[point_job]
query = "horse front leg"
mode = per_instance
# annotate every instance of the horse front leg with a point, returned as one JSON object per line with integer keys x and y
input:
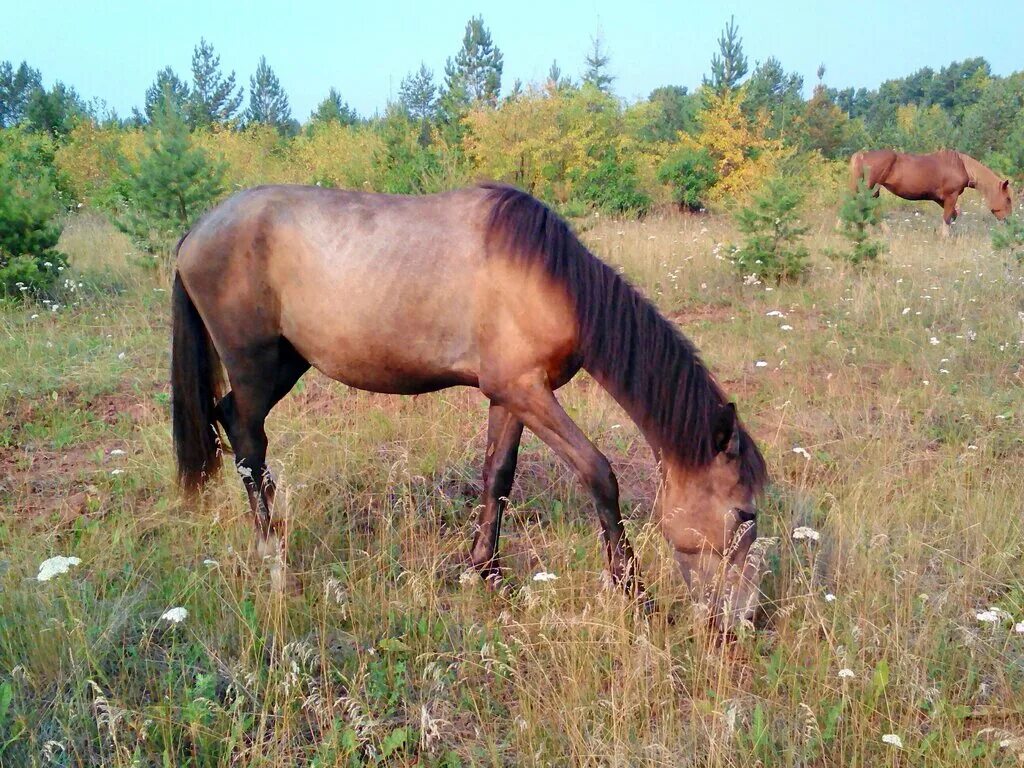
{"x": 532, "y": 401}
{"x": 503, "y": 434}
{"x": 949, "y": 214}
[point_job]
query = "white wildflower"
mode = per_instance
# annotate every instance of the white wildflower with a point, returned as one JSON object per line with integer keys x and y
{"x": 175, "y": 615}
{"x": 786, "y": 327}
{"x": 467, "y": 577}
{"x": 120, "y": 355}
{"x": 846, "y": 674}
{"x": 774, "y": 313}
{"x": 906, "y": 311}
{"x": 116, "y": 472}
{"x": 1019, "y": 627}
{"x": 892, "y": 740}
{"x": 804, "y": 532}
{"x": 802, "y": 452}
{"x": 117, "y": 452}
{"x": 991, "y": 616}
{"x": 933, "y": 341}
{"x": 55, "y": 566}
{"x": 829, "y": 597}
{"x": 209, "y": 563}
{"x": 544, "y": 576}
{"x": 761, "y": 364}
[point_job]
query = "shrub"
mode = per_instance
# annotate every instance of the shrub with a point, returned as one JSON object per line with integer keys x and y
{"x": 772, "y": 249}
{"x": 1009, "y": 237}
{"x": 857, "y": 215}
{"x": 31, "y": 211}
{"x": 690, "y": 172}
{"x": 614, "y": 187}
{"x": 170, "y": 186}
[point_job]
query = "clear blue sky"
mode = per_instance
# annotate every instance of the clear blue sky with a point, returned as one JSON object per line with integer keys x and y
{"x": 112, "y": 50}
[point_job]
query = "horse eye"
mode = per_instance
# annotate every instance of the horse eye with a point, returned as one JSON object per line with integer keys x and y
{"x": 745, "y": 516}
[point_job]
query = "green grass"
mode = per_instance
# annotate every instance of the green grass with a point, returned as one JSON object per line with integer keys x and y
{"x": 388, "y": 657}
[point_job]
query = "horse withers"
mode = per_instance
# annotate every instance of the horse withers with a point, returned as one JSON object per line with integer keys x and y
{"x": 940, "y": 177}
{"x": 482, "y": 287}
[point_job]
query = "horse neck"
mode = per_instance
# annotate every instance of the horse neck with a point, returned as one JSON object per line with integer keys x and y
{"x": 981, "y": 177}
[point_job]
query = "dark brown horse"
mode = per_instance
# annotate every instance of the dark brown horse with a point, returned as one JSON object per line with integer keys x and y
{"x": 940, "y": 177}
{"x": 482, "y": 287}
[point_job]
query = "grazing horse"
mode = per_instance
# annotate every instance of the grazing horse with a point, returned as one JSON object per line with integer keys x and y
{"x": 482, "y": 287}
{"x": 941, "y": 177}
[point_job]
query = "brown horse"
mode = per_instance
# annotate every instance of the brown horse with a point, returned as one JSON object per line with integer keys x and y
{"x": 483, "y": 287}
{"x": 940, "y": 177}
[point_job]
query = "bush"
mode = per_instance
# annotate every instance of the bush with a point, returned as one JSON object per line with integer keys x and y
{"x": 1009, "y": 237}
{"x": 31, "y": 211}
{"x": 857, "y": 215}
{"x": 614, "y": 187}
{"x": 772, "y": 249}
{"x": 170, "y": 186}
{"x": 691, "y": 174}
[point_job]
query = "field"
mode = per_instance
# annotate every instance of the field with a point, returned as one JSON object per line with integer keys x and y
{"x": 901, "y": 386}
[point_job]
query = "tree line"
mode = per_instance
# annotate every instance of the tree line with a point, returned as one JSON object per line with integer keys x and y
{"x": 567, "y": 139}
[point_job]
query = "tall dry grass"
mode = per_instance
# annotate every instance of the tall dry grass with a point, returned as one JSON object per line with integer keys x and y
{"x": 901, "y": 386}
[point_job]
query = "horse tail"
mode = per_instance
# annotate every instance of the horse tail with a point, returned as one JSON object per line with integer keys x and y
{"x": 856, "y": 170}
{"x": 196, "y": 384}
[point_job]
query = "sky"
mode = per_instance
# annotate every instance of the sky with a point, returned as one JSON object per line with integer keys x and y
{"x": 112, "y": 50}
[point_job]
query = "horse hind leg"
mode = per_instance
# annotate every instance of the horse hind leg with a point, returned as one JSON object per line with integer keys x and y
{"x": 260, "y": 376}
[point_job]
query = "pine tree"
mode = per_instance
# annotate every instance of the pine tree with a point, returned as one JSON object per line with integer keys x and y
{"x": 16, "y": 87}
{"x": 596, "y": 73}
{"x": 171, "y": 185}
{"x": 555, "y": 79}
{"x": 418, "y": 95}
{"x": 475, "y": 74}
{"x": 268, "y": 103}
{"x": 213, "y": 98}
{"x": 334, "y": 109}
{"x": 166, "y": 86}
{"x": 729, "y": 65}
{"x": 55, "y": 111}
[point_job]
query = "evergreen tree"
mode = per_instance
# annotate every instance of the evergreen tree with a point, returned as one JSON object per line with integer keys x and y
{"x": 55, "y": 111}
{"x": 268, "y": 103}
{"x": 214, "y": 98}
{"x": 824, "y": 124}
{"x": 16, "y": 87}
{"x": 596, "y": 73}
{"x": 772, "y": 91}
{"x": 170, "y": 186}
{"x": 729, "y": 65}
{"x": 418, "y": 95}
{"x": 678, "y": 112}
{"x": 334, "y": 109}
{"x": 555, "y": 79}
{"x": 475, "y": 74}
{"x": 166, "y": 86}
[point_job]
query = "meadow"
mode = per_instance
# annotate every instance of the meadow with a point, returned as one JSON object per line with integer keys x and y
{"x": 889, "y": 402}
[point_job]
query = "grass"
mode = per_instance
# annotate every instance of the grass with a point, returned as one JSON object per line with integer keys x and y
{"x": 388, "y": 657}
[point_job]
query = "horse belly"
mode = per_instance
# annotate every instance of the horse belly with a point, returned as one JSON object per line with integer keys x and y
{"x": 381, "y": 331}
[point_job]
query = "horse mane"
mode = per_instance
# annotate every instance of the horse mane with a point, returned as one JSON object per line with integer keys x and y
{"x": 981, "y": 177}
{"x": 643, "y": 360}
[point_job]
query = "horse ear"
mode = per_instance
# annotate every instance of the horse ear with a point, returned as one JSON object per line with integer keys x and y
{"x": 1006, "y": 184}
{"x": 726, "y": 432}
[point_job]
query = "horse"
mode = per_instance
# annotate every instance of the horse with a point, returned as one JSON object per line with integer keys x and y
{"x": 483, "y": 287}
{"x": 940, "y": 177}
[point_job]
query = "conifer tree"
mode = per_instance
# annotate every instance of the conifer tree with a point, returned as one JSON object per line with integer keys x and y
{"x": 170, "y": 186}
{"x": 214, "y": 98}
{"x": 729, "y": 65}
{"x": 418, "y": 94}
{"x": 268, "y": 103}
{"x": 16, "y": 87}
{"x": 475, "y": 73}
{"x": 596, "y": 73}
{"x": 334, "y": 109}
{"x": 166, "y": 86}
